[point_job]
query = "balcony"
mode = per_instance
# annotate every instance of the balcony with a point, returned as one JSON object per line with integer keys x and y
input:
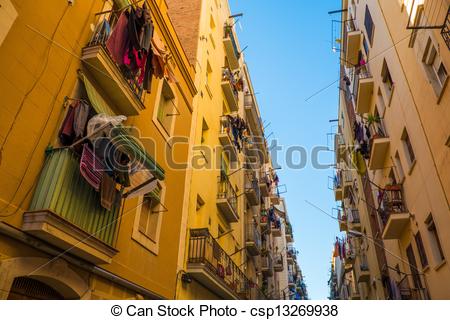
{"x": 226, "y": 139}
{"x": 264, "y": 223}
{"x": 347, "y": 180}
{"x": 120, "y": 85}
{"x": 209, "y": 264}
{"x": 352, "y": 45}
{"x": 337, "y": 187}
{"x": 253, "y": 239}
{"x": 363, "y": 274}
{"x": 252, "y": 191}
{"x": 354, "y": 222}
{"x": 278, "y": 263}
{"x": 66, "y": 211}
{"x": 227, "y": 199}
{"x": 231, "y": 47}
{"x": 230, "y": 90}
{"x": 379, "y": 147}
{"x": 276, "y": 228}
{"x": 289, "y": 233}
{"x": 339, "y": 147}
{"x": 364, "y": 84}
{"x": 395, "y": 218}
{"x": 265, "y": 184}
{"x": 290, "y": 256}
{"x": 342, "y": 218}
{"x": 267, "y": 265}
{"x": 251, "y": 153}
{"x": 252, "y": 114}
{"x": 413, "y": 287}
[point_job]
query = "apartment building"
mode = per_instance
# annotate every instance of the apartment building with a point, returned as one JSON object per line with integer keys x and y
{"x": 133, "y": 160}
{"x": 392, "y": 149}
{"x": 231, "y": 241}
{"x": 79, "y": 222}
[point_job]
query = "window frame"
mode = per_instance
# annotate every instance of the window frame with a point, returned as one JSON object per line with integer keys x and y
{"x": 167, "y": 133}
{"x": 143, "y": 238}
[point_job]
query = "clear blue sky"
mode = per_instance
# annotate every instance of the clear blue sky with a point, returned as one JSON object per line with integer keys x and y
{"x": 289, "y": 56}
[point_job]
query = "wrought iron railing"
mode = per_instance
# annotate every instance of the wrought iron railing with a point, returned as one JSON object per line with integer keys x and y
{"x": 228, "y": 34}
{"x": 205, "y": 250}
{"x": 252, "y": 234}
{"x": 106, "y": 22}
{"x": 413, "y": 287}
{"x": 226, "y": 191}
{"x": 390, "y": 201}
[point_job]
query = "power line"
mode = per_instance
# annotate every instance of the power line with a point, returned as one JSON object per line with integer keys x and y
{"x": 357, "y": 67}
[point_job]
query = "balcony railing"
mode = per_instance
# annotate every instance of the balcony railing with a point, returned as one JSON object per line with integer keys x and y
{"x": 253, "y": 239}
{"x": 65, "y": 203}
{"x": 278, "y": 263}
{"x": 412, "y": 287}
{"x": 205, "y": 252}
{"x": 252, "y": 189}
{"x": 227, "y": 199}
{"x": 363, "y": 89}
{"x": 122, "y": 84}
{"x": 231, "y": 46}
{"x": 393, "y": 213}
{"x": 226, "y": 138}
{"x": 267, "y": 264}
{"x": 230, "y": 89}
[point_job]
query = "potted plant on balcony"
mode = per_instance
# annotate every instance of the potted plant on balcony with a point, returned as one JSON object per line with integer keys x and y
{"x": 373, "y": 122}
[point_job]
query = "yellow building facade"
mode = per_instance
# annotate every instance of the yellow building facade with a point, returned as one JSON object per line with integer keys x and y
{"x": 61, "y": 237}
{"x": 393, "y": 128}
{"x": 133, "y": 160}
{"x": 230, "y": 244}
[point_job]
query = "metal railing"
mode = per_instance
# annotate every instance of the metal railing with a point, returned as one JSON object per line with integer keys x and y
{"x": 252, "y": 184}
{"x": 390, "y": 201}
{"x": 353, "y": 216}
{"x": 228, "y": 34}
{"x": 412, "y": 287}
{"x": 267, "y": 262}
{"x": 227, "y": 75}
{"x": 252, "y": 234}
{"x": 226, "y": 191}
{"x": 105, "y": 24}
{"x": 204, "y": 249}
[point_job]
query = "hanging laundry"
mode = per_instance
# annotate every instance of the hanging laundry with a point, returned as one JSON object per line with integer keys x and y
{"x": 81, "y": 116}
{"x": 108, "y": 192}
{"x": 91, "y": 167}
{"x": 117, "y": 43}
{"x": 67, "y": 133}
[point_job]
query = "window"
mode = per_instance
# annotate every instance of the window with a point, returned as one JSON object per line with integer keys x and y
{"x": 166, "y": 108}
{"x": 388, "y": 83}
{"x": 413, "y": 267}
{"x": 434, "y": 68}
{"x": 368, "y": 23}
{"x": 421, "y": 249}
{"x": 205, "y": 129}
{"x": 417, "y": 19}
{"x": 380, "y": 103}
{"x": 200, "y": 202}
{"x": 410, "y": 156}
{"x": 148, "y": 221}
{"x": 436, "y": 247}
{"x": 399, "y": 168}
{"x": 8, "y": 15}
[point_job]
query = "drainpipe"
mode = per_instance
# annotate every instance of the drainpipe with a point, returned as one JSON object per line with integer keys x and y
{"x": 18, "y": 235}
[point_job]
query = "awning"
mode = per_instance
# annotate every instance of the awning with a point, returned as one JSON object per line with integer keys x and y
{"x": 97, "y": 101}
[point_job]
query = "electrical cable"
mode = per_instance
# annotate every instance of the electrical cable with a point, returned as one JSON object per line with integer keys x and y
{"x": 373, "y": 240}
{"x": 356, "y": 67}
